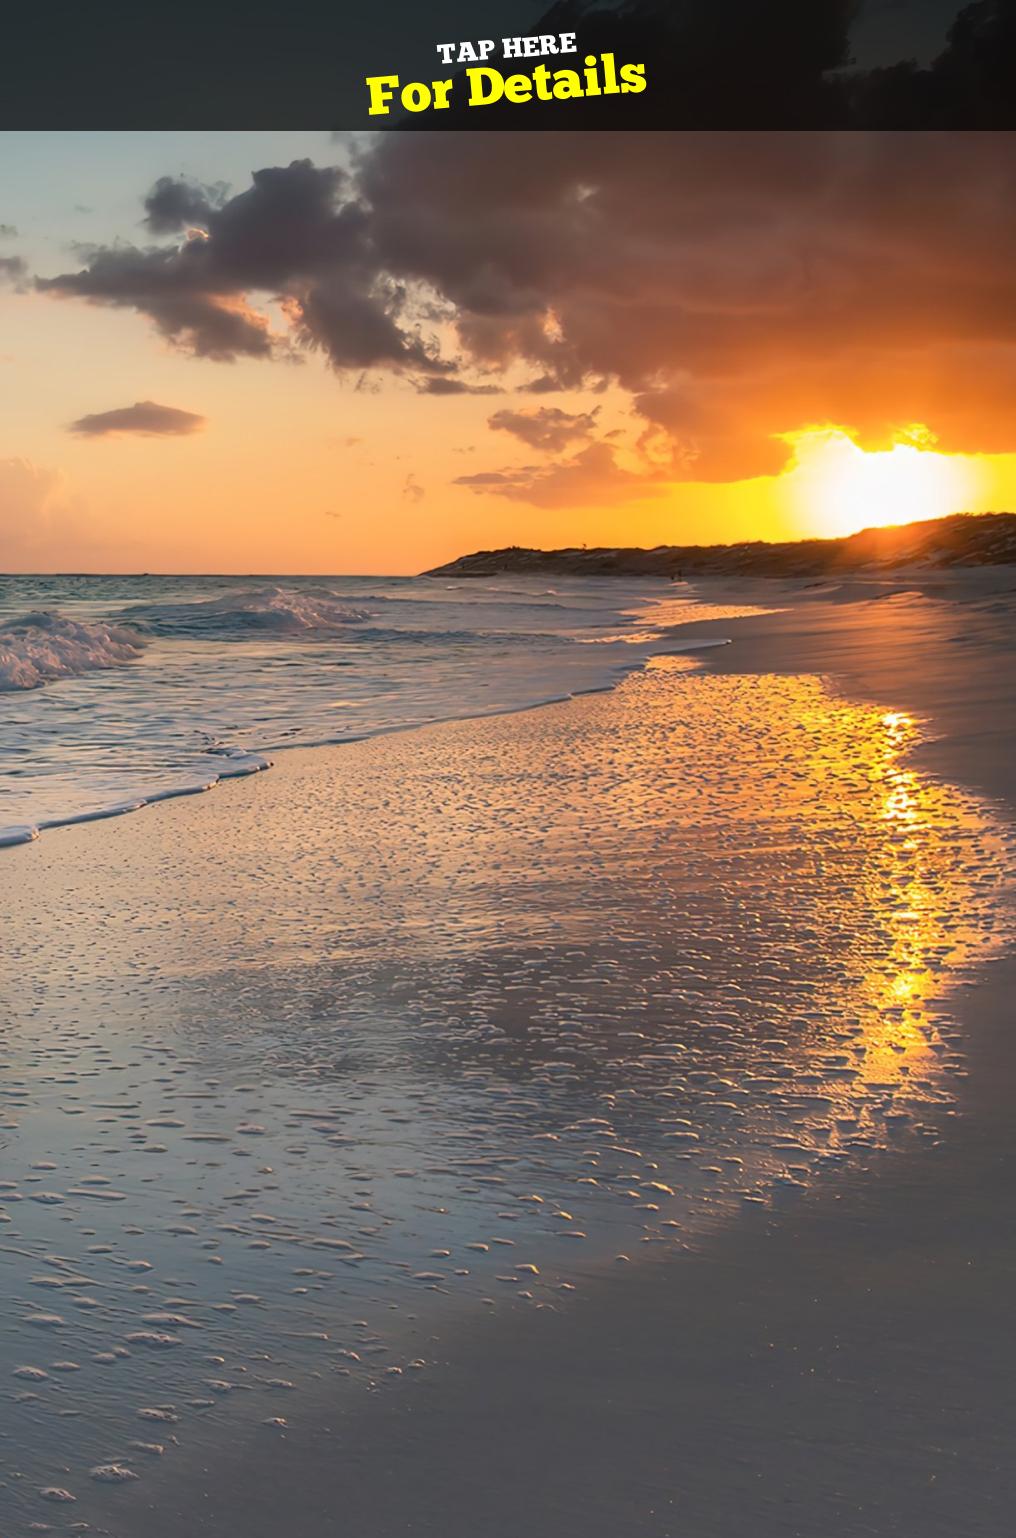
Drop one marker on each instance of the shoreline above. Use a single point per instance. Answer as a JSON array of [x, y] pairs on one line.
[[579, 1435], [930, 644], [970, 587], [226, 763]]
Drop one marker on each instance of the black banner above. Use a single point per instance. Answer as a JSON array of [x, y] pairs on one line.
[[581, 64]]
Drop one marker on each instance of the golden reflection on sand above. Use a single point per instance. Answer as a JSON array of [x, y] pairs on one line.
[[916, 843], [922, 892], [471, 1010]]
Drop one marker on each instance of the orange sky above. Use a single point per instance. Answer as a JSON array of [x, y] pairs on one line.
[[301, 468]]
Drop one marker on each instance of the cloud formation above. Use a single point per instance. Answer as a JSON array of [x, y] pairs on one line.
[[971, 84], [548, 427], [446, 384], [736, 286], [145, 418], [298, 234], [590, 478]]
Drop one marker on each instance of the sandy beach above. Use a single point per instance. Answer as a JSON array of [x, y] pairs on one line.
[[592, 1120]]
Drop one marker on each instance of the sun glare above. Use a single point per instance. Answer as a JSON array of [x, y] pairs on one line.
[[839, 487]]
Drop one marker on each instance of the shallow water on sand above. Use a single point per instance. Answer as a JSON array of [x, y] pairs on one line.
[[455, 1017], [119, 691]]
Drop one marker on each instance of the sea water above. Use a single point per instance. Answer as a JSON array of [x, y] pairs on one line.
[[116, 691]]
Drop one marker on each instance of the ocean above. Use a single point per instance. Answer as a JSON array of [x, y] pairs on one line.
[[116, 691]]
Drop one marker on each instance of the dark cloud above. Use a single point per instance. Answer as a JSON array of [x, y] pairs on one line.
[[737, 286], [173, 205], [7, 232], [543, 384], [190, 306], [591, 478], [970, 84], [145, 418], [889, 30], [357, 328], [295, 234], [546, 428], [444, 384]]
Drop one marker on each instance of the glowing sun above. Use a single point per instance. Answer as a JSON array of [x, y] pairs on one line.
[[839, 487]]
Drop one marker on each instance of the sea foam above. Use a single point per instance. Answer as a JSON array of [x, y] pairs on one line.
[[42, 646], [277, 610]]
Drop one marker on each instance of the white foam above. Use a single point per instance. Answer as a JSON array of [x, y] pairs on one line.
[[40, 647], [239, 763], [279, 610]]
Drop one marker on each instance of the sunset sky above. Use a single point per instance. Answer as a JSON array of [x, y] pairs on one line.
[[386, 353]]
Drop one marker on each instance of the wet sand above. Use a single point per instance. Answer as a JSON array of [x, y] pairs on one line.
[[942, 646], [832, 1356], [844, 1370]]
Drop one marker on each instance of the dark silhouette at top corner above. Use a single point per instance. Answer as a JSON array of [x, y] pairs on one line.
[[764, 64]]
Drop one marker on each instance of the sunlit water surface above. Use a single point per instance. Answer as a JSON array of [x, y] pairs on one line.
[[117, 691], [457, 1018]]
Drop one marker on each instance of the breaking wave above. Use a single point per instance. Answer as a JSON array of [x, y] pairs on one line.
[[275, 610], [37, 648]]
